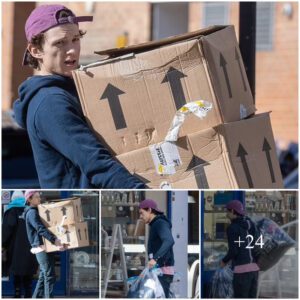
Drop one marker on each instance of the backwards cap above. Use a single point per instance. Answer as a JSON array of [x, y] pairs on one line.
[[45, 17]]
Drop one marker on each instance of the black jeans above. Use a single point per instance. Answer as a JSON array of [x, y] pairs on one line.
[[25, 282], [46, 281], [245, 285], [166, 281]]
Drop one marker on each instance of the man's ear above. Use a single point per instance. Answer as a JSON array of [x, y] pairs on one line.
[[35, 51]]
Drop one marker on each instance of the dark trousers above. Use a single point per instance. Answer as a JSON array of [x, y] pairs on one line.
[[25, 282], [245, 285], [165, 281], [46, 281]]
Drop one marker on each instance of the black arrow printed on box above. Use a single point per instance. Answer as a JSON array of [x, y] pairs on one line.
[[267, 148], [64, 210], [238, 58], [242, 154], [47, 212], [85, 233], [111, 93], [223, 64], [173, 76], [201, 180], [79, 234], [68, 236]]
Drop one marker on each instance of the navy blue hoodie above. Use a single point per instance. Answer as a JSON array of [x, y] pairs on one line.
[[66, 152], [160, 242], [239, 229], [35, 228]]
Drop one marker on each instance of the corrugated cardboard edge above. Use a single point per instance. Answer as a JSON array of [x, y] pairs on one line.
[[208, 75], [227, 164], [80, 90], [60, 202], [159, 43], [224, 154]]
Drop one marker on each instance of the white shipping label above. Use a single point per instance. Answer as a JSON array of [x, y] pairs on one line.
[[165, 157]]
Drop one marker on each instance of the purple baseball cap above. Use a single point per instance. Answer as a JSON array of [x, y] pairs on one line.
[[149, 203], [237, 206], [45, 17], [29, 193]]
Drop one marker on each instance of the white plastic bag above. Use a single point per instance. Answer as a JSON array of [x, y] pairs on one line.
[[222, 283], [147, 285]]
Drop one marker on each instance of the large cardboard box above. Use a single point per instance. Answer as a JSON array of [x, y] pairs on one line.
[[62, 212], [130, 99], [73, 236], [239, 154]]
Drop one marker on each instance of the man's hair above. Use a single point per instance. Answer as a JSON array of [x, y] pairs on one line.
[[235, 212], [38, 41], [152, 210]]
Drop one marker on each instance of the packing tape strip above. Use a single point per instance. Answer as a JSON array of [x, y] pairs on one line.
[[165, 155], [59, 228], [199, 108]]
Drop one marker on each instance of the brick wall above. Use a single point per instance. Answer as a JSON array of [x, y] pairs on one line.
[[13, 47], [111, 19]]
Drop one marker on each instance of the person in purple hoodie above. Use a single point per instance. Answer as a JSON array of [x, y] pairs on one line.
[[245, 268], [66, 152]]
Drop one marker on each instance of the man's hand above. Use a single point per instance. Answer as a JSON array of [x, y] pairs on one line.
[[151, 263], [63, 247], [222, 264], [58, 243]]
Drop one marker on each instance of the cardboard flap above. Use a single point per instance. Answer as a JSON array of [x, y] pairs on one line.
[[56, 204], [228, 74], [155, 44], [252, 152]]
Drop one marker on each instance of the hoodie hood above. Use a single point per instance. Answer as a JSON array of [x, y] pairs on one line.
[[244, 222], [17, 202], [30, 87], [27, 208], [161, 217]]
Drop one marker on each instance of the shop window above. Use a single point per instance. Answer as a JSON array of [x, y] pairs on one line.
[[215, 13], [84, 262], [264, 25]]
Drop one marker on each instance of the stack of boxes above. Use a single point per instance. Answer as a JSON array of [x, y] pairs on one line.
[[64, 219], [131, 98]]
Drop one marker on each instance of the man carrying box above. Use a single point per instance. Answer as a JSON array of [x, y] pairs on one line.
[[35, 232], [66, 152]]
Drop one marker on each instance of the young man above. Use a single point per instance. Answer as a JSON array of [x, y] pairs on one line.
[[35, 231], [66, 152], [160, 242], [245, 269]]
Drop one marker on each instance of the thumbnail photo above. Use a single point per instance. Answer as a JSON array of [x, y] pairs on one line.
[[150, 244], [249, 244], [50, 244]]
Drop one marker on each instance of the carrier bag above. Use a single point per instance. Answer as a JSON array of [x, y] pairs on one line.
[[276, 242], [146, 285], [222, 283]]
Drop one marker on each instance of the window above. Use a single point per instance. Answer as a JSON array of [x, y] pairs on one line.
[[264, 25], [215, 13]]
